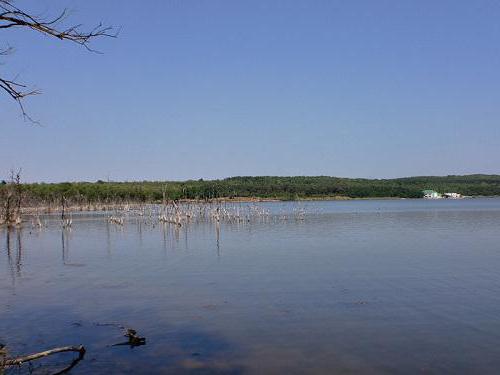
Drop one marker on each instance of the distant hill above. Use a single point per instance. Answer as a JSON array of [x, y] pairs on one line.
[[299, 187]]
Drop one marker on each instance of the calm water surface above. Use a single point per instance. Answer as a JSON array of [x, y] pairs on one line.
[[404, 286]]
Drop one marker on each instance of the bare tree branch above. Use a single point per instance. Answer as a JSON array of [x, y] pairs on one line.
[[12, 17], [16, 91], [15, 17]]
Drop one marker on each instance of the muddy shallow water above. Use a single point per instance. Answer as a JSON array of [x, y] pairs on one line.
[[402, 286]]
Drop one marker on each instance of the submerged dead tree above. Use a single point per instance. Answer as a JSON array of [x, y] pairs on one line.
[[11, 198], [13, 17]]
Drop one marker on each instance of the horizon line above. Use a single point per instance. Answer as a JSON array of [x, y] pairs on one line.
[[259, 176]]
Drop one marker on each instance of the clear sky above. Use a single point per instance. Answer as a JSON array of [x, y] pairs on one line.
[[210, 89]]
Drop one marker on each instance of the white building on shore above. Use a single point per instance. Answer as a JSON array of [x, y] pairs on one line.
[[453, 195], [431, 194]]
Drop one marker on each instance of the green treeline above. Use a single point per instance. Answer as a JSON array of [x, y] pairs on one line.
[[286, 188]]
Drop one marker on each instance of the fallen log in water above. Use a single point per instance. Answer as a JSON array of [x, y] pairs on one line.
[[20, 360]]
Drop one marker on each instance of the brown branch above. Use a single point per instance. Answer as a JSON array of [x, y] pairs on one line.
[[20, 360]]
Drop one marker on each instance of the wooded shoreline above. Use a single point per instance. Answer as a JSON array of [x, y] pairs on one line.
[[102, 195]]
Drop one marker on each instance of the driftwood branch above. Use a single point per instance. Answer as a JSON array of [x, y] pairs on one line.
[[20, 360]]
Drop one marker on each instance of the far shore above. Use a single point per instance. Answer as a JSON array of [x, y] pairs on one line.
[[54, 209]]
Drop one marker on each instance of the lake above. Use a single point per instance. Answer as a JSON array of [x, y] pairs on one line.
[[331, 287]]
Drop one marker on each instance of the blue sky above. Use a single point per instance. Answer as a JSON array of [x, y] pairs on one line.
[[210, 89]]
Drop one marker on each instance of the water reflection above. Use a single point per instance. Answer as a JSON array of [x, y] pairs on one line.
[[14, 253], [108, 239], [164, 236], [65, 247], [19, 252], [217, 234], [65, 244], [353, 287]]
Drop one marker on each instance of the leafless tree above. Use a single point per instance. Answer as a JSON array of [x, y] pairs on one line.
[[13, 17], [11, 197]]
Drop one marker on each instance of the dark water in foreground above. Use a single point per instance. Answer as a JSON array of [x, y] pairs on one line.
[[405, 286]]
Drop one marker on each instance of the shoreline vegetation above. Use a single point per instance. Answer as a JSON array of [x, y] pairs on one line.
[[18, 198]]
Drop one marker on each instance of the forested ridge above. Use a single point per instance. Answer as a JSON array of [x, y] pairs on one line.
[[285, 188]]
